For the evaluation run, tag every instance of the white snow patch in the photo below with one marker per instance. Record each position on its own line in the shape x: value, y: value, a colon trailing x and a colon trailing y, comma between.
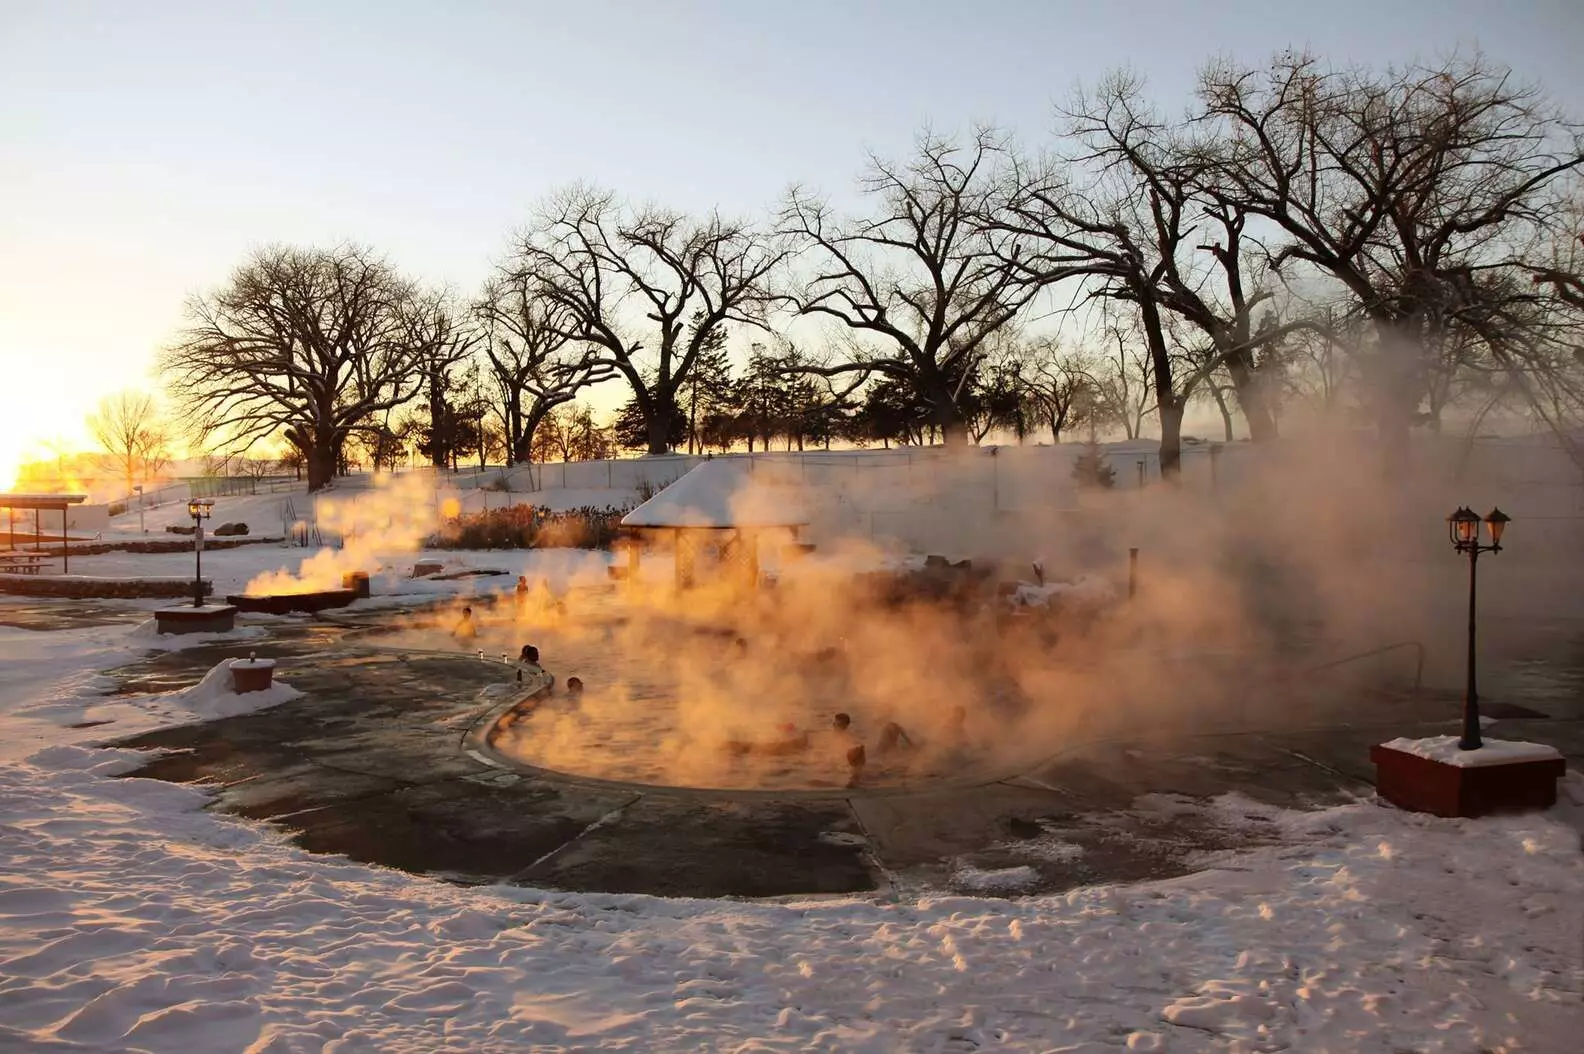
x: 1494, y: 751
x: 998, y: 880
x: 1085, y: 591
x: 721, y: 493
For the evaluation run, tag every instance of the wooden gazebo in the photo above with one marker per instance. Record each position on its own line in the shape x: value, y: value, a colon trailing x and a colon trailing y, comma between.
x: 719, y: 507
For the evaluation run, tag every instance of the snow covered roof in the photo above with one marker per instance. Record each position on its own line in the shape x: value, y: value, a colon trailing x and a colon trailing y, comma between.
x: 720, y: 493
x: 40, y: 501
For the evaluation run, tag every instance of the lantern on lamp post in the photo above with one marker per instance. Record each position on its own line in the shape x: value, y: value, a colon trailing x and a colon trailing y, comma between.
x: 200, y: 509
x: 1463, y: 527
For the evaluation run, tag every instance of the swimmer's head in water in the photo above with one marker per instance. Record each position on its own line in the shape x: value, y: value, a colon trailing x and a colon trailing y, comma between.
x: 467, y: 612
x: 840, y: 722
x: 575, y: 685
x: 529, y: 653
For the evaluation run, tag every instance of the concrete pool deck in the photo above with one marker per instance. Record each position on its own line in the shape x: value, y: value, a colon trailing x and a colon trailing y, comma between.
x: 371, y: 763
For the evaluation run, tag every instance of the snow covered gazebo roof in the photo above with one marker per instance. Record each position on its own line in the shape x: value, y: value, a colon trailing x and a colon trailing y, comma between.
x: 720, y: 494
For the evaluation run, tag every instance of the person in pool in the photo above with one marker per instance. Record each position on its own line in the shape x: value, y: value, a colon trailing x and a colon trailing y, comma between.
x: 465, y: 630
x: 574, y: 687
x: 529, y: 656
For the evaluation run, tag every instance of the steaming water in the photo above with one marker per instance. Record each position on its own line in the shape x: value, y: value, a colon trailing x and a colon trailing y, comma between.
x: 672, y: 702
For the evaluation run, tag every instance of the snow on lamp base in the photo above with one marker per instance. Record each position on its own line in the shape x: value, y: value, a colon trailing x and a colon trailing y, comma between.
x: 1432, y: 775
x: 252, y: 675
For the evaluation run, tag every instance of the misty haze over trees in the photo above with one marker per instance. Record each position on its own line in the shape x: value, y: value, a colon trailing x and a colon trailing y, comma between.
x: 1385, y: 248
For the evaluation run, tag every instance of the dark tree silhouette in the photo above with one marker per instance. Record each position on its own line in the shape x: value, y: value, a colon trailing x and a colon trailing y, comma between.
x: 1417, y: 189
x: 931, y: 275
x: 305, y: 344
x: 533, y: 362
x: 648, y: 289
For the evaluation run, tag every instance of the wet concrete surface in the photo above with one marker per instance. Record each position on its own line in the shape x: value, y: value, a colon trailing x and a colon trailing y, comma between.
x: 370, y: 764
x: 45, y: 614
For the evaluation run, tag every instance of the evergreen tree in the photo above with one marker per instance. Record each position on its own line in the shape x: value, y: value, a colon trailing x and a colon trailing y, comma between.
x: 1091, y: 469
x: 709, y: 389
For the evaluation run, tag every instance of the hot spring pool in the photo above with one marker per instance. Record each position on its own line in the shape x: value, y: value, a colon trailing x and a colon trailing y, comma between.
x: 672, y: 703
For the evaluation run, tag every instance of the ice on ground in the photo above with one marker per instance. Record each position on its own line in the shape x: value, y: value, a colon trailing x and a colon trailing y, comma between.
x: 1494, y: 751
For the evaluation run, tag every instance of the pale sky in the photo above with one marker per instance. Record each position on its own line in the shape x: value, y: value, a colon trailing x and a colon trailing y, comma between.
x: 145, y: 147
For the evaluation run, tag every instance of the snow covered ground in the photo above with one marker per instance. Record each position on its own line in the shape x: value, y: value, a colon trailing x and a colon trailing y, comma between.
x: 132, y: 919
x: 231, y: 569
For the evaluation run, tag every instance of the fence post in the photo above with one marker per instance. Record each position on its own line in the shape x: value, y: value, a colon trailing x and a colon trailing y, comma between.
x: 1132, y: 573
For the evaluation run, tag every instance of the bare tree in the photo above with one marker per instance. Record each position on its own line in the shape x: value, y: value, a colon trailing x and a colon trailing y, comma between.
x: 1125, y: 205
x: 1060, y: 386
x: 304, y: 344
x: 931, y: 275
x: 450, y: 341
x: 1124, y: 388
x: 647, y: 288
x: 128, y: 427
x: 535, y: 364
x: 1416, y: 189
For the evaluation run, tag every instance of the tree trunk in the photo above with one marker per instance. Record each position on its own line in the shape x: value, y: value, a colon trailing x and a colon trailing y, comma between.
x: 1171, y: 418
x: 1167, y: 405
x: 1226, y: 414
x: 692, y: 415
x: 321, y: 460
x: 659, y: 427
x: 516, y: 444
x: 1398, y: 388
x: 440, y: 440
x: 1252, y: 398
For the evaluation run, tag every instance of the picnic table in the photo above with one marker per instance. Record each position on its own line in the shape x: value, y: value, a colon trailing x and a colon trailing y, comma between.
x: 21, y: 563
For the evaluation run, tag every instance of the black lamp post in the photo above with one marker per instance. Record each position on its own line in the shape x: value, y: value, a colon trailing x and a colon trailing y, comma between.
x: 1464, y: 528
x: 199, y: 509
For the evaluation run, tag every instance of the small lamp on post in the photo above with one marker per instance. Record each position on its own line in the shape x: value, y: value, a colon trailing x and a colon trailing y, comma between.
x: 1463, y: 528
x: 199, y: 509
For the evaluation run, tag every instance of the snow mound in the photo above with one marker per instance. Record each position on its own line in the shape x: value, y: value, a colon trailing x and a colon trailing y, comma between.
x: 213, y: 697
x: 1495, y: 751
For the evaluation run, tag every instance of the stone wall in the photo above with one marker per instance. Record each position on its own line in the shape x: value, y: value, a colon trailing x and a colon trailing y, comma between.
x: 82, y: 587
x: 164, y: 545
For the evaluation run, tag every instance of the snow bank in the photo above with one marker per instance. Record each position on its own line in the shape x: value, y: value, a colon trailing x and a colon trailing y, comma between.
x: 1494, y: 752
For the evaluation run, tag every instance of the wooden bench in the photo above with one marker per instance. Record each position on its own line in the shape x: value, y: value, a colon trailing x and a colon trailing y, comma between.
x: 19, y: 563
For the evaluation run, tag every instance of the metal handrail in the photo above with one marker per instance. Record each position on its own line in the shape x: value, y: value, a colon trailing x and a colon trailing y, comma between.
x: 1419, y: 660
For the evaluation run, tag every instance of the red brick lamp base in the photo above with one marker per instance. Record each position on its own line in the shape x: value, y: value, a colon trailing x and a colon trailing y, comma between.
x: 1433, y: 775
x: 252, y: 675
